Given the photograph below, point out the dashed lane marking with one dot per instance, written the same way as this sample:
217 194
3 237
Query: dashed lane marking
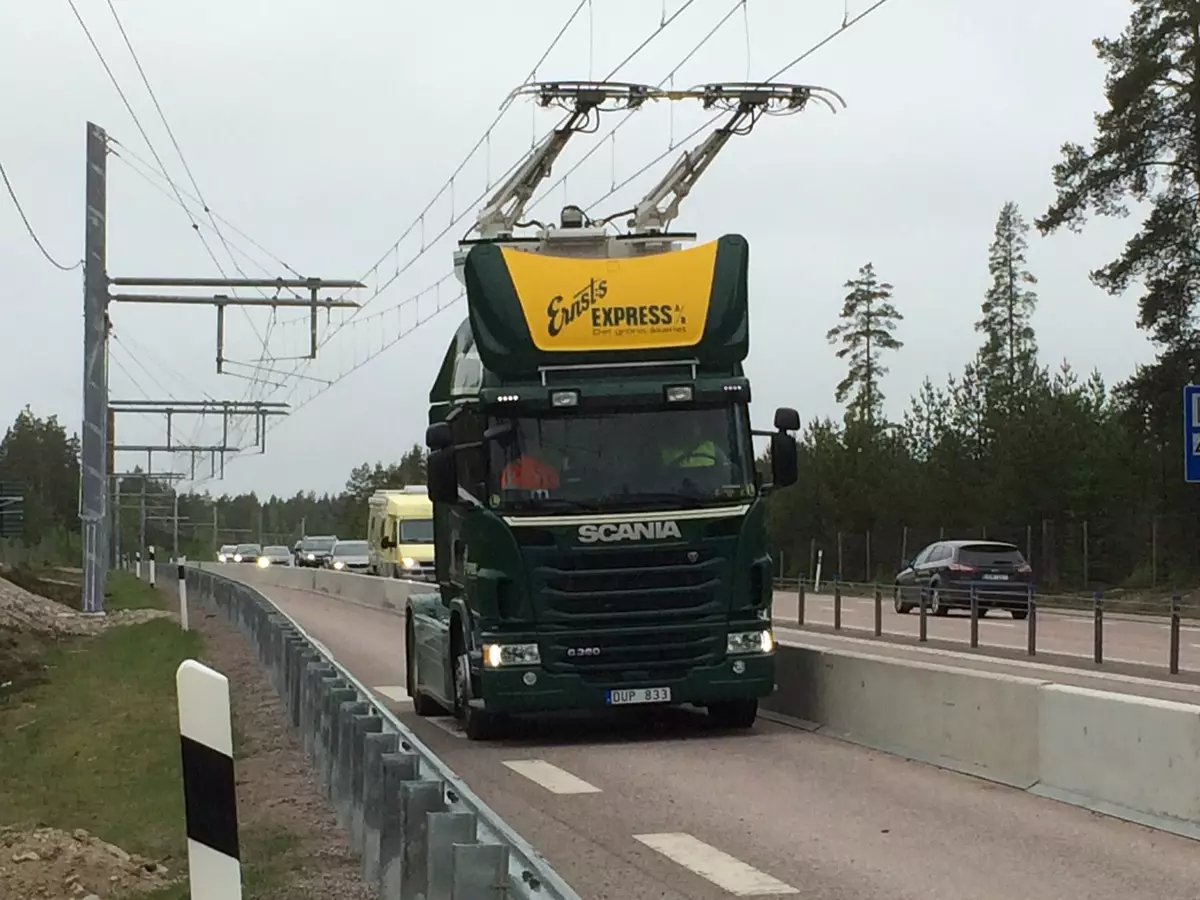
720 868
551 777
395 693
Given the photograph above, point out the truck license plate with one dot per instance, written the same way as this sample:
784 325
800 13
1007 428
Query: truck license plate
639 695
994 577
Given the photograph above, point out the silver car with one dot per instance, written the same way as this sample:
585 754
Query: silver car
275 555
349 556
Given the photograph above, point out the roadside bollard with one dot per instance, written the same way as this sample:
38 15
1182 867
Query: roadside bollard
923 623
878 610
800 600
1098 628
153 573
183 598
974 617
1173 662
837 603
1031 632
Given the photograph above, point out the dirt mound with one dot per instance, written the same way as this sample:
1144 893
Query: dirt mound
27 613
52 864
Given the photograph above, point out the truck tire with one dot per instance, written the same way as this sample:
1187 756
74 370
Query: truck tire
423 705
477 724
733 713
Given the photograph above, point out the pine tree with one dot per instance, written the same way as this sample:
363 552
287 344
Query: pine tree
868 320
1009 352
1147 148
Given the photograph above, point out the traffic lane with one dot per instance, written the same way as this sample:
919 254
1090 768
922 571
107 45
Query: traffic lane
370 643
1125 640
1179 691
830 819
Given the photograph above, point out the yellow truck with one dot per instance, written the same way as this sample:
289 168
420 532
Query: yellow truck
400 533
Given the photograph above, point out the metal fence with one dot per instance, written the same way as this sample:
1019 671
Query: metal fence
978 600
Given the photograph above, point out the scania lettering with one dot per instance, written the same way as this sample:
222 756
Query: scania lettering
599 517
629 531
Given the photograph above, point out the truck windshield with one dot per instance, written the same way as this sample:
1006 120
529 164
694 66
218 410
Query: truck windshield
416 531
632 458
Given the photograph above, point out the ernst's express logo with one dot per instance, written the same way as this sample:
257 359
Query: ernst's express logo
584 305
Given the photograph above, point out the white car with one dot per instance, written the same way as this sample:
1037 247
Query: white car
225 554
275 556
349 556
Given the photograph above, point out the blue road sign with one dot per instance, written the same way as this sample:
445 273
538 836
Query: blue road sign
1191 433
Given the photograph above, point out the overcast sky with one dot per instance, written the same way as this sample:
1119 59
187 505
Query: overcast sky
321 130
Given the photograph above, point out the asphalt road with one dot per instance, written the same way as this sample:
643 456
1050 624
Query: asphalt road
1128 640
658 806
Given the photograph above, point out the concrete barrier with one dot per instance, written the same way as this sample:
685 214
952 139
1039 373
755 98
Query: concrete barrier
365 590
980 723
1137 758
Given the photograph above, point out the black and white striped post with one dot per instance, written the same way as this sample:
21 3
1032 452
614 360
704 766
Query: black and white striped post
152 572
183 607
138 566
210 795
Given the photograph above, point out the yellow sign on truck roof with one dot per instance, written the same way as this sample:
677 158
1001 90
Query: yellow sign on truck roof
574 304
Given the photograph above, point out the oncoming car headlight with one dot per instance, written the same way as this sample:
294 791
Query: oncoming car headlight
338 564
263 562
237 557
750 642
497 655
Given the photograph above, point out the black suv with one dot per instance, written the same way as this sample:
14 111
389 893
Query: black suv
314 551
947 572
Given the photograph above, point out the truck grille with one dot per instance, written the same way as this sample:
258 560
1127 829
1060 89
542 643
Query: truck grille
626 615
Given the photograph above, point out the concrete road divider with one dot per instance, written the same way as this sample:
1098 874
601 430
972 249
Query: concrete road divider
366 590
1135 758
984 725
420 831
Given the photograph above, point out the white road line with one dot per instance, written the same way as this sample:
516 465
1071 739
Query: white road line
396 693
551 777
721 869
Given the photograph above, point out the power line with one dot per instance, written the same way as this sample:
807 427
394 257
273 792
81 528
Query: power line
29 227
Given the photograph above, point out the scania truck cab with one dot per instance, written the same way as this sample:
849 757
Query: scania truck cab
599 518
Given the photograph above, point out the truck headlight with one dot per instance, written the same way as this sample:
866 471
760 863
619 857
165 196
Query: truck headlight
408 562
750 642
497 655
263 562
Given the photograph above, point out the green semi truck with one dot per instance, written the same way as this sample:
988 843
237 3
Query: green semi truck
599 518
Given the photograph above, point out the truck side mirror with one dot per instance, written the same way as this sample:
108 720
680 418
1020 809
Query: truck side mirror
784 461
442 476
787 419
438 436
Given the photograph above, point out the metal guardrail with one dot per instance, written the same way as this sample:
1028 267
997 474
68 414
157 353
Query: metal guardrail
349 736
979 597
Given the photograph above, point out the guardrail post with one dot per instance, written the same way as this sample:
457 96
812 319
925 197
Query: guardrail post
341 765
398 768
311 732
480 870
375 747
923 631
878 610
1031 633
1097 628
800 600
360 727
1173 661
974 617
417 800
446 829
837 603
337 692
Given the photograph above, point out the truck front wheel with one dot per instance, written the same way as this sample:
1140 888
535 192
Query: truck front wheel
478 724
733 713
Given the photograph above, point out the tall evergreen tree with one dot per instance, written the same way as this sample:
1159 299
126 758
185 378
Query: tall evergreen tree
1009 351
868 320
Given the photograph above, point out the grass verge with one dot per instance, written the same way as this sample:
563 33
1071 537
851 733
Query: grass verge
96 746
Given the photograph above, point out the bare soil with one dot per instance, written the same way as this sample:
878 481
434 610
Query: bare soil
52 864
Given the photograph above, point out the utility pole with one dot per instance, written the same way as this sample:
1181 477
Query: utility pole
175 544
142 522
215 545
94 451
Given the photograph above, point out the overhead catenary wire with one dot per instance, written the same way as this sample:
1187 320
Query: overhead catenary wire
29 226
